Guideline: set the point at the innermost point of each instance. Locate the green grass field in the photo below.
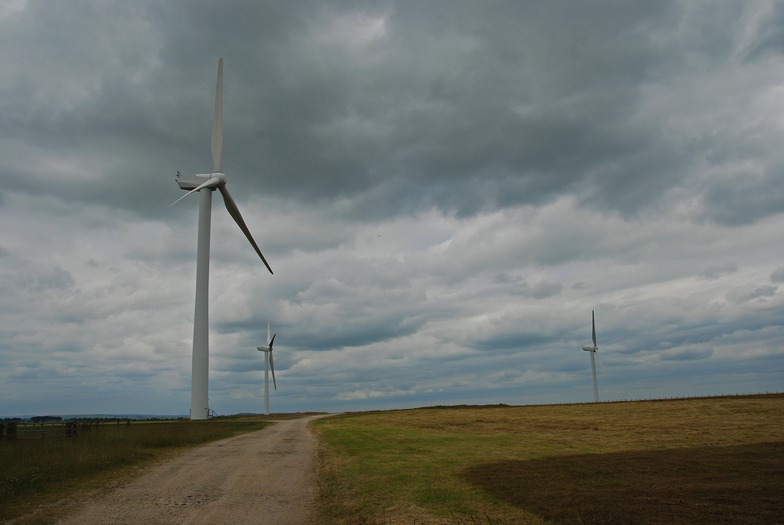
(707, 460)
(38, 471)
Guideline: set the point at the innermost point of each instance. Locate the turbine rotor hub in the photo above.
(219, 175)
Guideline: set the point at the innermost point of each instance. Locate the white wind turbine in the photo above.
(594, 350)
(268, 364)
(205, 184)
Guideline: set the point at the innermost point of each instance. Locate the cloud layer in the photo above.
(445, 191)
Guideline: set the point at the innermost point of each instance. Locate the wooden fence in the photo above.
(25, 430)
(44, 429)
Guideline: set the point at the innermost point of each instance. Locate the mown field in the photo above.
(695, 461)
(35, 472)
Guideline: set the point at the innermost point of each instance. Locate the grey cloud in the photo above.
(687, 355)
(745, 198)
(542, 289)
(537, 289)
(452, 109)
(428, 180)
(518, 341)
(768, 34)
(715, 271)
(55, 278)
(744, 294)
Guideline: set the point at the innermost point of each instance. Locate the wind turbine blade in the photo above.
(272, 341)
(593, 328)
(600, 363)
(210, 183)
(268, 334)
(217, 123)
(272, 367)
(231, 206)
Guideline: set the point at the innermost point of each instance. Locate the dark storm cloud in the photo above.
(456, 105)
(465, 112)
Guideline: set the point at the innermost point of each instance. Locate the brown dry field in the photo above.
(686, 461)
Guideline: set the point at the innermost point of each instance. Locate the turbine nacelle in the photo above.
(189, 182)
(214, 180)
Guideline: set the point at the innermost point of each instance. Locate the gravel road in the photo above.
(263, 477)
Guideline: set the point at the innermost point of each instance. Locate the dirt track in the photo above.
(262, 477)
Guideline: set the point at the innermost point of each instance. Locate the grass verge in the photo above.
(35, 472)
(707, 460)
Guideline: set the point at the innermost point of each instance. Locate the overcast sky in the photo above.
(444, 189)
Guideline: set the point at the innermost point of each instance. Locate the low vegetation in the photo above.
(33, 471)
(707, 460)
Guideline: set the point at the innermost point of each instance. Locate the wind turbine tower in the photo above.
(594, 350)
(205, 184)
(268, 364)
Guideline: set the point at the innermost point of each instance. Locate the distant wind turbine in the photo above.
(268, 364)
(594, 350)
(205, 184)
